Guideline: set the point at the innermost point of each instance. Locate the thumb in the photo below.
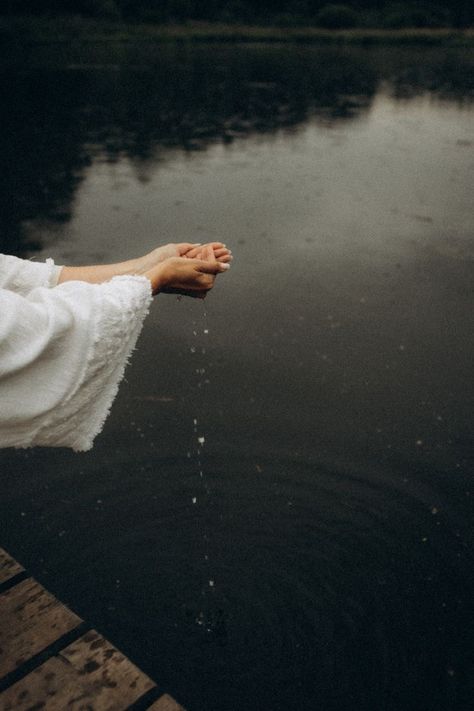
(209, 264)
(210, 267)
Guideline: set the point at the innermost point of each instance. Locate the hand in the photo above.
(221, 253)
(182, 249)
(187, 276)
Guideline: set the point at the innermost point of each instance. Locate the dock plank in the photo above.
(89, 674)
(30, 620)
(8, 567)
(165, 703)
(41, 668)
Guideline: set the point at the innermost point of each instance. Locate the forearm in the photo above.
(163, 266)
(96, 274)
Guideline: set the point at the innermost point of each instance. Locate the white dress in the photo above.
(63, 352)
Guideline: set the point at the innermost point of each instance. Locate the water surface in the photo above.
(324, 557)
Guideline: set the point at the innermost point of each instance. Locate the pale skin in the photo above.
(184, 268)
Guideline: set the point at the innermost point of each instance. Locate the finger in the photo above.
(194, 253)
(216, 268)
(223, 255)
(210, 266)
(214, 245)
(185, 248)
(209, 255)
(220, 252)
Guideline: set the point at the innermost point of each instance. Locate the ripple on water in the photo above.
(338, 584)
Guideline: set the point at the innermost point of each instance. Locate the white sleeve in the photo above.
(21, 275)
(63, 353)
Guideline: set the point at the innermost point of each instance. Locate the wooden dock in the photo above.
(50, 659)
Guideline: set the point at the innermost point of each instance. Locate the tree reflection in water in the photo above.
(55, 122)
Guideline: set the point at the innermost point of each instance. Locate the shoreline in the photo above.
(76, 29)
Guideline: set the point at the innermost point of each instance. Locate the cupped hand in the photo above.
(198, 251)
(183, 249)
(185, 275)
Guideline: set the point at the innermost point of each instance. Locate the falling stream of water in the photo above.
(204, 617)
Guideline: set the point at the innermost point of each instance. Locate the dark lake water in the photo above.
(316, 551)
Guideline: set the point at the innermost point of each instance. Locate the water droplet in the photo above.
(192, 349)
(206, 330)
(211, 583)
(194, 499)
(201, 440)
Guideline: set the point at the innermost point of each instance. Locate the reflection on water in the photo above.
(55, 121)
(334, 517)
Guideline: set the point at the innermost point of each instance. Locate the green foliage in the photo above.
(403, 15)
(287, 19)
(235, 11)
(337, 17)
(102, 8)
(282, 13)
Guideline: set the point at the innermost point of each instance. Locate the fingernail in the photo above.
(225, 266)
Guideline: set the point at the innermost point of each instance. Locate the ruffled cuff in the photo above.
(121, 307)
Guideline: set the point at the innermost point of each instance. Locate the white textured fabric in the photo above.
(21, 275)
(63, 351)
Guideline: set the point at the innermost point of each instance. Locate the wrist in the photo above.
(157, 276)
(139, 266)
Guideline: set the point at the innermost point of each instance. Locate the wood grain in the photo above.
(30, 620)
(89, 674)
(165, 703)
(8, 567)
